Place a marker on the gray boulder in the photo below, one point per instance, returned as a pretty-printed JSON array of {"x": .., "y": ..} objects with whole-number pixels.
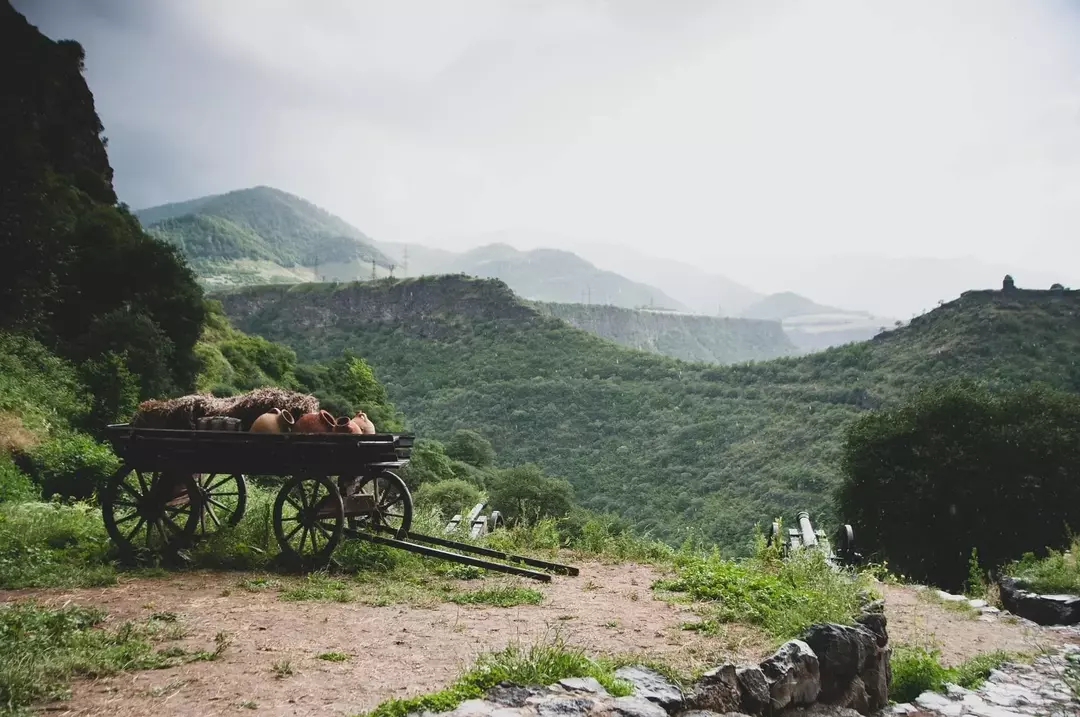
[
  {"x": 793, "y": 674},
  {"x": 842, "y": 653},
  {"x": 717, "y": 691},
  {"x": 1042, "y": 609},
  {"x": 651, "y": 685},
  {"x": 753, "y": 689}
]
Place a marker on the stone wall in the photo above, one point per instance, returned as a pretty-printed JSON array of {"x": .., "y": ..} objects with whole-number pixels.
[{"x": 833, "y": 669}]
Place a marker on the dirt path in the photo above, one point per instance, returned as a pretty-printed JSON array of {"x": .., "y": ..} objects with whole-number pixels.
[
  {"x": 395, "y": 651},
  {"x": 401, "y": 650}
]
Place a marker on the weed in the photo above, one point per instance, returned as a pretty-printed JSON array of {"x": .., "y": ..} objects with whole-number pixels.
[
  {"x": 916, "y": 669},
  {"x": 255, "y": 585},
  {"x": 319, "y": 586},
  {"x": 962, "y": 607},
  {"x": 282, "y": 669},
  {"x": 500, "y": 596},
  {"x": 41, "y": 649},
  {"x": 782, "y": 596},
  {"x": 540, "y": 664},
  {"x": 334, "y": 656},
  {"x": 248, "y": 705},
  {"x": 1058, "y": 572}
]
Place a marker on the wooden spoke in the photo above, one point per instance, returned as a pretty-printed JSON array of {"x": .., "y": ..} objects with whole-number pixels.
[
  {"x": 145, "y": 498},
  {"x": 393, "y": 504},
  {"x": 314, "y": 504},
  {"x": 224, "y": 499}
]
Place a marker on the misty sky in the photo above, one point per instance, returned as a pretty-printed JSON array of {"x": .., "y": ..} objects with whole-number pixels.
[{"x": 704, "y": 129}]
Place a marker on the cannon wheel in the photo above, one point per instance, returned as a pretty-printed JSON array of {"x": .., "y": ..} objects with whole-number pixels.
[
  {"x": 224, "y": 499},
  {"x": 151, "y": 512},
  {"x": 393, "y": 504},
  {"x": 774, "y": 534},
  {"x": 309, "y": 518}
]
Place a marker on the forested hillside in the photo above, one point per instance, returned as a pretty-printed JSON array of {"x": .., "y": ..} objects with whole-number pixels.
[
  {"x": 691, "y": 337},
  {"x": 665, "y": 443},
  {"x": 263, "y": 234}
]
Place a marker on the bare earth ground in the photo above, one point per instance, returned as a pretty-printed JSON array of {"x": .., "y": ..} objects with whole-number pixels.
[{"x": 401, "y": 651}]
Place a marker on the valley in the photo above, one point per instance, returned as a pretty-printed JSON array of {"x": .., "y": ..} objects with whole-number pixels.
[{"x": 677, "y": 448}]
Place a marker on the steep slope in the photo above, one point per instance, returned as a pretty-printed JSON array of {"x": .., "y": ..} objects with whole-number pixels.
[
  {"x": 669, "y": 445},
  {"x": 539, "y": 274},
  {"x": 814, "y": 327},
  {"x": 260, "y": 234},
  {"x": 690, "y": 337}
]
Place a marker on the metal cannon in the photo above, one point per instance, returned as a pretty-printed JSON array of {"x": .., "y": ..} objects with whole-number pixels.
[{"x": 806, "y": 537}]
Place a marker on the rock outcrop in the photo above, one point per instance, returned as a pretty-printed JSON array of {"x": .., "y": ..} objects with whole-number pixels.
[
  {"x": 1042, "y": 609},
  {"x": 833, "y": 671}
]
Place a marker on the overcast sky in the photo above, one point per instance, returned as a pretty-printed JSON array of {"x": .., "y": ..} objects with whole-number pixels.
[{"x": 699, "y": 128}]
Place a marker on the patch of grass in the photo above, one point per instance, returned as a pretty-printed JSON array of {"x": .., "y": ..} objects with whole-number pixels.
[
  {"x": 282, "y": 668},
  {"x": 53, "y": 545},
  {"x": 319, "y": 586},
  {"x": 499, "y": 596},
  {"x": 41, "y": 649},
  {"x": 1058, "y": 572},
  {"x": 461, "y": 572},
  {"x": 333, "y": 656},
  {"x": 781, "y": 596},
  {"x": 961, "y": 607},
  {"x": 540, "y": 664},
  {"x": 917, "y": 669},
  {"x": 259, "y": 584}
]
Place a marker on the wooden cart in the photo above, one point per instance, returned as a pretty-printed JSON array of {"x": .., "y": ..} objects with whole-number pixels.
[{"x": 176, "y": 486}]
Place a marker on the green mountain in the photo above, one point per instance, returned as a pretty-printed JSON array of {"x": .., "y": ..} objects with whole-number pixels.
[
  {"x": 667, "y": 444},
  {"x": 691, "y": 337},
  {"x": 541, "y": 274},
  {"x": 263, "y": 234}
]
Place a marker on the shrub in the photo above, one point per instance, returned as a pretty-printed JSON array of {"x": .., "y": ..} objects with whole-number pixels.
[
  {"x": 113, "y": 389},
  {"x": 49, "y": 544},
  {"x": 428, "y": 463},
  {"x": 916, "y": 669},
  {"x": 782, "y": 596},
  {"x": 472, "y": 448},
  {"x": 960, "y": 468},
  {"x": 449, "y": 496},
  {"x": 526, "y": 492},
  {"x": 1055, "y": 573},
  {"x": 15, "y": 486},
  {"x": 70, "y": 465}
]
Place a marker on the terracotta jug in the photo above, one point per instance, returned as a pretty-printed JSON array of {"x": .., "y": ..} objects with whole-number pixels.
[
  {"x": 361, "y": 419},
  {"x": 321, "y": 422},
  {"x": 344, "y": 424},
  {"x": 273, "y": 421}
]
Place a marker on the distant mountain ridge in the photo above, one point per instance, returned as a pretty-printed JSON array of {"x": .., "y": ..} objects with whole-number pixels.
[
  {"x": 539, "y": 274},
  {"x": 261, "y": 235}
]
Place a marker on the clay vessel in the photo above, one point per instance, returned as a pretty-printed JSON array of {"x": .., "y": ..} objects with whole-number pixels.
[
  {"x": 321, "y": 422},
  {"x": 361, "y": 419},
  {"x": 273, "y": 421},
  {"x": 344, "y": 424}
]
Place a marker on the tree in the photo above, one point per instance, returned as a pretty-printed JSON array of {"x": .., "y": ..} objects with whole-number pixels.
[
  {"x": 449, "y": 496},
  {"x": 470, "y": 447},
  {"x": 428, "y": 463},
  {"x": 957, "y": 468},
  {"x": 525, "y": 492}
]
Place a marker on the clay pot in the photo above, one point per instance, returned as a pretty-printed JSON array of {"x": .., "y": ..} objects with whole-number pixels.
[
  {"x": 321, "y": 422},
  {"x": 364, "y": 422},
  {"x": 344, "y": 424},
  {"x": 273, "y": 421}
]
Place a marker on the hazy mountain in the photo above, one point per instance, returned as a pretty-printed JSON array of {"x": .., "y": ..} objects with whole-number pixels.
[
  {"x": 538, "y": 274},
  {"x": 703, "y": 291},
  {"x": 263, "y": 234},
  {"x": 785, "y": 305}
]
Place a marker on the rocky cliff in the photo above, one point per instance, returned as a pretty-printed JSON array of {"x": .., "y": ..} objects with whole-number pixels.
[{"x": 691, "y": 337}]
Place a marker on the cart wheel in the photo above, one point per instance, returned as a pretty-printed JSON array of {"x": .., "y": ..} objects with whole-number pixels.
[
  {"x": 154, "y": 512},
  {"x": 309, "y": 518},
  {"x": 224, "y": 498},
  {"x": 393, "y": 504}
]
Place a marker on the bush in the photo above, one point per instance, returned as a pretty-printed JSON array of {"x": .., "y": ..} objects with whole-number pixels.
[
  {"x": 15, "y": 486},
  {"x": 916, "y": 669},
  {"x": 782, "y": 596},
  {"x": 449, "y": 496},
  {"x": 114, "y": 391},
  {"x": 70, "y": 465},
  {"x": 471, "y": 448},
  {"x": 526, "y": 492},
  {"x": 53, "y": 545},
  {"x": 958, "y": 469},
  {"x": 1056, "y": 573},
  {"x": 428, "y": 463}
]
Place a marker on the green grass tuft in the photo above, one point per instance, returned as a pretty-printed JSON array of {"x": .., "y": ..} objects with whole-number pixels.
[
  {"x": 333, "y": 656},
  {"x": 1058, "y": 572},
  {"x": 540, "y": 664},
  {"x": 500, "y": 596},
  {"x": 916, "y": 669},
  {"x": 319, "y": 586}
]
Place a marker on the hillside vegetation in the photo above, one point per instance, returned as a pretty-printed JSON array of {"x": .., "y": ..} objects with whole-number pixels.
[
  {"x": 669, "y": 445},
  {"x": 262, "y": 233},
  {"x": 691, "y": 337}
]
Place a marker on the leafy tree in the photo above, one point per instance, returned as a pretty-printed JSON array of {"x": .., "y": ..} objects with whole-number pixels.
[
  {"x": 470, "y": 447},
  {"x": 961, "y": 469},
  {"x": 428, "y": 463},
  {"x": 113, "y": 389},
  {"x": 449, "y": 496},
  {"x": 526, "y": 492}
]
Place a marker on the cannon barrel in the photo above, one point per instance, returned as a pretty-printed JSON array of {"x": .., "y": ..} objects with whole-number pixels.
[{"x": 808, "y": 537}]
